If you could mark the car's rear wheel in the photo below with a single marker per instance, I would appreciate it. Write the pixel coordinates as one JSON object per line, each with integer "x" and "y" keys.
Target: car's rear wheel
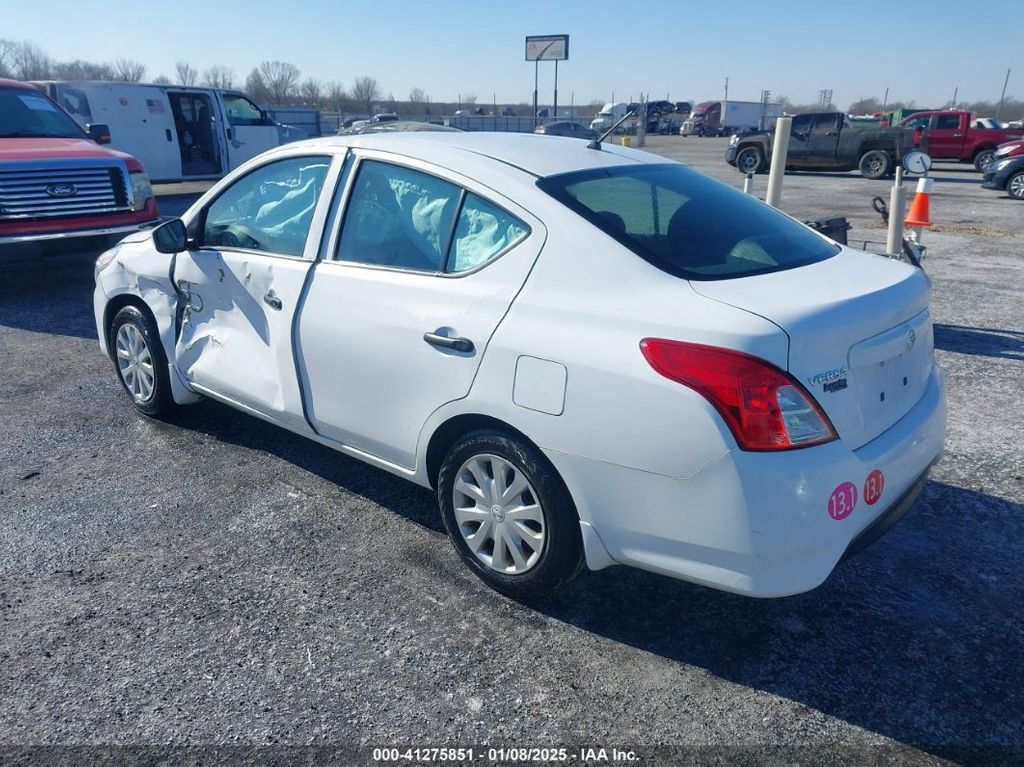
{"x": 1015, "y": 186}
{"x": 875, "y": 164}
{"x": 983, "y": 159}
{"x": 509, "y": 515}
{"x": 749, "y": 160}
{"x": 140, "y": 362}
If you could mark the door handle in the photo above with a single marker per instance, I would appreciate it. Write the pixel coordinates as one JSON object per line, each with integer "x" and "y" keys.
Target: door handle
{"x": 445, "y": 342}
{"x": 167, "y": 133}
{"x": 271, "y": 300}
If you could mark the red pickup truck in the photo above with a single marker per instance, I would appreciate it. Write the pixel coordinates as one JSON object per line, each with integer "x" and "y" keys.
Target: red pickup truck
{"x": 954, "y": 135}
{"x": 60, "y": 192}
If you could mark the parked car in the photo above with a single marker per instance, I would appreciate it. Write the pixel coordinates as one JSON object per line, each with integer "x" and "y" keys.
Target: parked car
{"x": 566, "y": 128}
{"x": 954, "y": 135}
{"x": 1006, "y": 174}
{"x": 179, "y": 133}
{"x": 825, "y": 141}
{"x": 398, "y": 126}
{"x": 451, "y": 308}
{"x": 1009, "y": 149}
{"x": 61, "y": 193}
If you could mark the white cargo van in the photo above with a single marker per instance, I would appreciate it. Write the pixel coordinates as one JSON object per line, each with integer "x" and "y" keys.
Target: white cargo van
{"x": 177, "y": 133}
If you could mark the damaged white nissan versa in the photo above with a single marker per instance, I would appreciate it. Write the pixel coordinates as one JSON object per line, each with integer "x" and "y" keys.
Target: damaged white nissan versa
{"x": 594, "y": 355}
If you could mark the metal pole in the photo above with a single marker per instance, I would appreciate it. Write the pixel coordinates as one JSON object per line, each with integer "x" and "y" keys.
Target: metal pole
{"x": 554, "y": 108}
{"x": 956, "y": 92}
{"x": 780, "y": 150}
{"x": 1002, "y": 96}
{"x": 885, "y": 100}
{"x": 897, "y": 212}
{"x": 536, "y": 75}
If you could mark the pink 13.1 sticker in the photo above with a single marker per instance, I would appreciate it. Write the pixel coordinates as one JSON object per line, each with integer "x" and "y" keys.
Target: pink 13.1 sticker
{"x": 873, "y": 487}
{"x": 842, "y": 501}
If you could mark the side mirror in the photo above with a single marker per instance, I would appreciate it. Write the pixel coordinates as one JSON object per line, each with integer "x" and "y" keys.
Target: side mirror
{"x": 171, "y": 236}
{"x": 98, "y": 132}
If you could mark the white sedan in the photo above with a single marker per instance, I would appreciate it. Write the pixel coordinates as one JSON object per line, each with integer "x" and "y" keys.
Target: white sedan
{"x": 593, "y": 355}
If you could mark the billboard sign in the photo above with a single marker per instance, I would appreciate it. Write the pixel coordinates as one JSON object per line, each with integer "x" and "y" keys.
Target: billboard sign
{"x": 547, "y": 48}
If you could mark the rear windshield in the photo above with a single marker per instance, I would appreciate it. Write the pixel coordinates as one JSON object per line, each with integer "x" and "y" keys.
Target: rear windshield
{"x": 686, "y": 223}
{"x": 29, "y": 114}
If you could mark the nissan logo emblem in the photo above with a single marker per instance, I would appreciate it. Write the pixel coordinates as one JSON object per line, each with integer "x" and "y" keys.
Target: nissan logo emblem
{"x": 62, "y": 190}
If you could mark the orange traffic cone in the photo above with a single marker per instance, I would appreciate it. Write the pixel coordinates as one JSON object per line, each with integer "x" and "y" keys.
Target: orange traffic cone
{"x": 918, "y": 213}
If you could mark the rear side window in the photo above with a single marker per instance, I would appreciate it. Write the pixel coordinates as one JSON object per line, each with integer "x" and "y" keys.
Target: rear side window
{"x": 687, "y": 224}
{"x": 407, "y": 219}
{"x": 948, "y": 122}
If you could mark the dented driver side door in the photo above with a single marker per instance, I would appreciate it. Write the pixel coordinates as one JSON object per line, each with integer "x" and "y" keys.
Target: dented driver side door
{"x": 241, "y": 285}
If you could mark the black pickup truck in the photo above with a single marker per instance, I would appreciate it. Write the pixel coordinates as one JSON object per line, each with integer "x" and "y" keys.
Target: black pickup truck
{"x": 825, "y": 141}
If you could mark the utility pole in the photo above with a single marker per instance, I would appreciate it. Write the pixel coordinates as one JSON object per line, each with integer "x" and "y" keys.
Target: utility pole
{"x": 956, "y": 92}
{"x": 726, "y": 88}
{"x": 885, "y": 101}
{"x": 1002, "y": 96}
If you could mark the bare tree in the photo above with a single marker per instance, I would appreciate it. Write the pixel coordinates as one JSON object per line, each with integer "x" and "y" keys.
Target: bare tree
{"x": 469, "y": 98}
{"x": 336, "y": 96}
{"x": 162, "y": 80}
{"x": 6, "y": 58}
{"x": 187, "y": 75}
{"x": 273, "y": 82}
{"x": 219, "y": 77}
{"x": 129, "y": 71}
{"x": 30, "y": 62}
{"x": 311, "y": 92}
{"x": 365, "y": 90}
{"x": 417, "y": 96}
{"x": 82, "y": 70}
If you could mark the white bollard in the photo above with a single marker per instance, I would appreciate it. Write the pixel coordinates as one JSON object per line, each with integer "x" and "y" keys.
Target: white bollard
{"x": 897, "y": 210}
{"x": 748, "y": 184}
{"x": 780, "y": 150}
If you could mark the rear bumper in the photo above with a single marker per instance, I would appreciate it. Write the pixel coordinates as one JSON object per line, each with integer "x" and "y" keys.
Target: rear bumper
{"x": 758, "y": 524}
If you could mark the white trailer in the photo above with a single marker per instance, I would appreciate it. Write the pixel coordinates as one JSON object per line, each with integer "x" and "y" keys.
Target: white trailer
{"x": 177, "y": 133}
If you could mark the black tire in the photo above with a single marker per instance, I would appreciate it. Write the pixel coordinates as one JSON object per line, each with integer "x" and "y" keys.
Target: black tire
{"x": 1015, "y": 186}
{"x": 159, "y": 401}
{"x": 749, "y": 159}
{"x": 984, "y": 158}
{"x": 875, "y": 164}
{"x": 561, "y": 555}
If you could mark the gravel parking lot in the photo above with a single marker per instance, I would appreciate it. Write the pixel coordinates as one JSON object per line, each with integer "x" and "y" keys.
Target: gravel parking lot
{"x": 216, "y": 580}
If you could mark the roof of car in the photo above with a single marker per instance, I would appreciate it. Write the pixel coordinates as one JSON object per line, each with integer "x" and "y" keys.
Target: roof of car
{"x": 538, "y": 155}
{"x": 15, "y": 84}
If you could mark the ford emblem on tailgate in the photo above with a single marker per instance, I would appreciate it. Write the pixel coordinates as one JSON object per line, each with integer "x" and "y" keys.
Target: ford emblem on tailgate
{"x": 62, "y": 190}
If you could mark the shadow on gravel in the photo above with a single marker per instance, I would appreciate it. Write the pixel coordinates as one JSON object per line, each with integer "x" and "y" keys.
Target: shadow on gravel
{"x": 228, "y": 425}
{"x": 986, "y": 342}
{"x": 918, "y": 638}
{"x": 55, "y": 300}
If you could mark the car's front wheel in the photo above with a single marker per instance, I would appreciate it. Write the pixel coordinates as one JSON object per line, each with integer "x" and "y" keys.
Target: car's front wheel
{"x": 749, "y": 160}
{"x": 1015, "y": 186}
{"x": 875, "y": 164}
{"x": 140, "y": 362}
{"x": 509, "y": 515}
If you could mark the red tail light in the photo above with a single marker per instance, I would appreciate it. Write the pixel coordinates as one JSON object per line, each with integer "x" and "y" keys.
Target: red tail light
{"x": 918, "y": 136}
{"x": 764, "y": 407}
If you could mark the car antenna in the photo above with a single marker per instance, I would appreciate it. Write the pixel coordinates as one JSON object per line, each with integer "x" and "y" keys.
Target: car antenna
{"x": 596, "y": 143}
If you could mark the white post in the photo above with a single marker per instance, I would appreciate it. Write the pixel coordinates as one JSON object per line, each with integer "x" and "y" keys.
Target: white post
{"x": 783, "y": 126}
{"x": 748, "y": 184}
{"x": 897, "y": 211}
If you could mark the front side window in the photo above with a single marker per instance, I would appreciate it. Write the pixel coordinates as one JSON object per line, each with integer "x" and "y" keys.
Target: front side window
{"x": 241, "y": 111}
{"x": 268, "y": 210}
{"x": 687, "y": 224}
{"x": 918, "y": 123}
{"x": 407, "y": 219}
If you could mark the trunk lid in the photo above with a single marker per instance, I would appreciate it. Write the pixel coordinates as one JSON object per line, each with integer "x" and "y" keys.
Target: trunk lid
{"x": 860, "y": 335}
